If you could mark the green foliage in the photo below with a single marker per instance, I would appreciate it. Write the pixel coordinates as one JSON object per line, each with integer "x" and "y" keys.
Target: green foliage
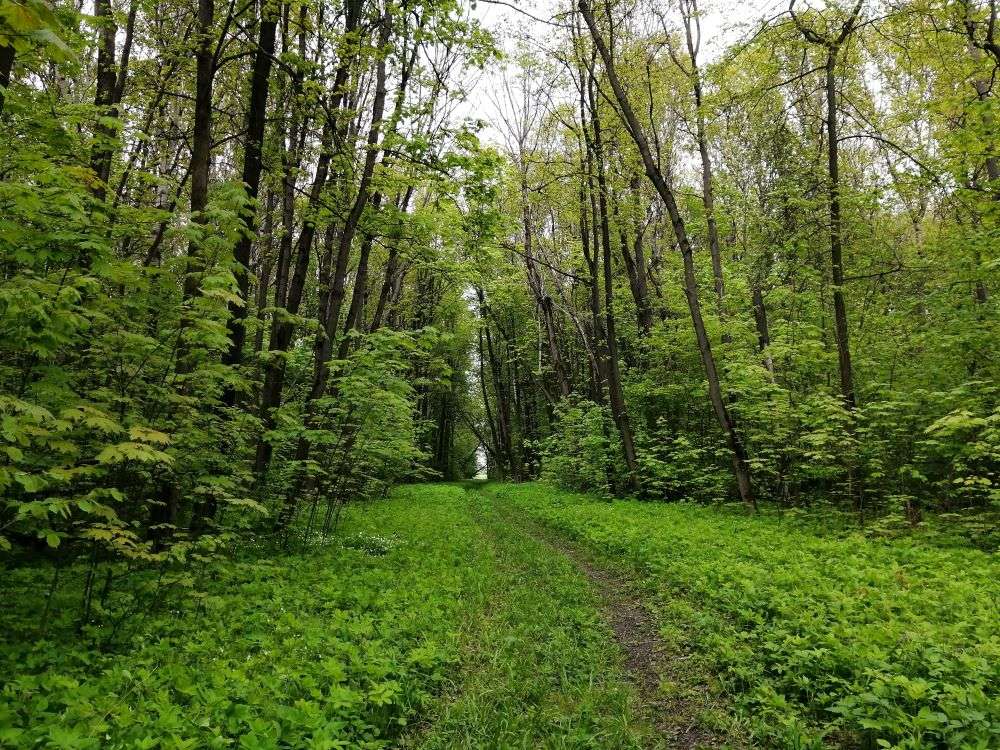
{"x": 357, "y": 644}
{"x": 582, "y": 449}
{"x": 815, "y": 635}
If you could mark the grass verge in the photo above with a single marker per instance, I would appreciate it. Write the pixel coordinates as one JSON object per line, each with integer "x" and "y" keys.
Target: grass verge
{"x": 817, "y": 639}
{"x": 426, "y": 623}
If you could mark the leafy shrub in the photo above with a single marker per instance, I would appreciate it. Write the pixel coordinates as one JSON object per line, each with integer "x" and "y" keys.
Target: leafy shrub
{"x": 582, "y": 448}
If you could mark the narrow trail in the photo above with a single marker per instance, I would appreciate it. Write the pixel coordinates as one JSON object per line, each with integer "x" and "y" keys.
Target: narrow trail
{"x": 671, "y": 697}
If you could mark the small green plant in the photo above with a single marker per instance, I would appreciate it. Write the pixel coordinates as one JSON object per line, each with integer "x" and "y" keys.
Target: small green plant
{"x": 816, "y": 636}
{"x": 373, "y": 544}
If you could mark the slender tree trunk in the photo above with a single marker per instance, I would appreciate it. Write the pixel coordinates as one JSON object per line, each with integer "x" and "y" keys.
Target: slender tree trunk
{"x": 497, "y": 448}
{"x": 635, "y": 264}
{"x": 619, "y": 410}
{"x": 100, "y": 159}
{"x": 740, "y": 459}
{"x": 252, "y": 168}
{"x": 323, "y": 349}
{"x": 201, "y": 150}
{"x": 836, "y": 241}
{"x": 542, "y": 299}
{"x": 591, "y": 246}
{"x": 833, "y": 46}
{"x": 6, "y": 69}
{"x": 763, "y": 336}
{"x": 506, "y": 443}
{"x": 283, "y": 329}
{"x": 200, "y": 170}
{"x": 689, "y": 12}
{"x": 265, "y": 271}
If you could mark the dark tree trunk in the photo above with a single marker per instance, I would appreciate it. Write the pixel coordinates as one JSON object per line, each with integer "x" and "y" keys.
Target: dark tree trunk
{"x": 100, "y": 158}
{"x": 619, "y": 410}
{"x": 252, "y": 168}
{"x": 282, "y": 330}
{"x": 836, "y": 237}
{"x": 265, "y": 271}
{"x": 542, "y": 300}
{"x": 6, "y": 69}
{"x": 689, "y": 10}
{"x": 833, "y": 46}
{"x": 763, "y": 336}
{"x": 324, "y": 347}
{"x": 496, "y": 448}
{"x": 200, "y": 169}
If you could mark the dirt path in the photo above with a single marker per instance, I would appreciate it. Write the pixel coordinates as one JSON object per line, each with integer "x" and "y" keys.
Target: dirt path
{"x": 672, "y": 697}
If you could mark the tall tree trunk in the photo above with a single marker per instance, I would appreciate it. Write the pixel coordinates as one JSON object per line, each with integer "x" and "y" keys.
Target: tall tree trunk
{"x": 542, "y": 300}
{"x": 740, "y": 459}
{"x": 504, "y": 436}
{"x": 591, "y": 245}
{"x": 833, "y": 46}
{"x": 496, "y": 447}
{"x": 635, "y": 263}
{"x": 265, "y": 270}
{"x": 836, "y": 234}
{"x": 252, "y": 168}
{"x": 100, "y": 159}
{"x": 200, "y": 169}
{"x": 6, "y": 69}
{"x": 619, "y": 410}
{"x": 282, "y": 329}
{"x": 689, "y": 12}
{"x": 593, "y": 351}
{"x": 324, "y": 346}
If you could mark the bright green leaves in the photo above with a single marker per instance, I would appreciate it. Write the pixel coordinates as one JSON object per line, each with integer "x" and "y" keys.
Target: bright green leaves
{"x": 131, "y": 451}
{"x": 816, "y": 636}
{"x": 26, "y": 23}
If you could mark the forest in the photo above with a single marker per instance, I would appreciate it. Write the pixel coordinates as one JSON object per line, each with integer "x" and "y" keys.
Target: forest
{"x": 486, "y": 374}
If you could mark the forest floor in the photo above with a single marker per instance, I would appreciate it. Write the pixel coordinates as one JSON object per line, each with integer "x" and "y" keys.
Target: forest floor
{"x": 518, "y": 616}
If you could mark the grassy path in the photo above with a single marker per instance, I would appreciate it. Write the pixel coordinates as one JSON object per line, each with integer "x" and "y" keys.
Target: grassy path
{"x": 515, "y": 617}
{"x": 672, "y": 694}
{"x": 540, "y": 665}
{"x": 430, "y": 621}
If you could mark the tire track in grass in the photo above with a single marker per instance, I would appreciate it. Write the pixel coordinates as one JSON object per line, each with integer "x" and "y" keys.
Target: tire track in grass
{"x": 538, "y": 668}
{"x": 676, "y": 714}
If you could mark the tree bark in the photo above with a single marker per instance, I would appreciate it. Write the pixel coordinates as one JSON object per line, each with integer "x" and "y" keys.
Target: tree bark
{"x": 619, "y": 410}
{"x": 689, "y": 12}
{"x": 7, "y": 56}
{"x": 252, "y": 168}
{"x": 542, "y": 300}
{"x": 100, "y": 159}
{"x": 833, "y": 46}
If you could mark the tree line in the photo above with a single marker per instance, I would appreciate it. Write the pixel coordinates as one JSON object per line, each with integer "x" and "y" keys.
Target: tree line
{"x": 767, "y": 275}
{"x": 229, "y": 239}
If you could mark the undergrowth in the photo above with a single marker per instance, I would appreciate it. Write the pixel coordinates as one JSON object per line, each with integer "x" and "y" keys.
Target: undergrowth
{"x": 818, "y": 638}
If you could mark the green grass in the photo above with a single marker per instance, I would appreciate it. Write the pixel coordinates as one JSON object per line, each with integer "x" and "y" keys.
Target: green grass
{"x": 541, "y": 669}
{"x": 428, "y": 624}
{"x": 440, "y": 619}
{"x": 817, "y": 638}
